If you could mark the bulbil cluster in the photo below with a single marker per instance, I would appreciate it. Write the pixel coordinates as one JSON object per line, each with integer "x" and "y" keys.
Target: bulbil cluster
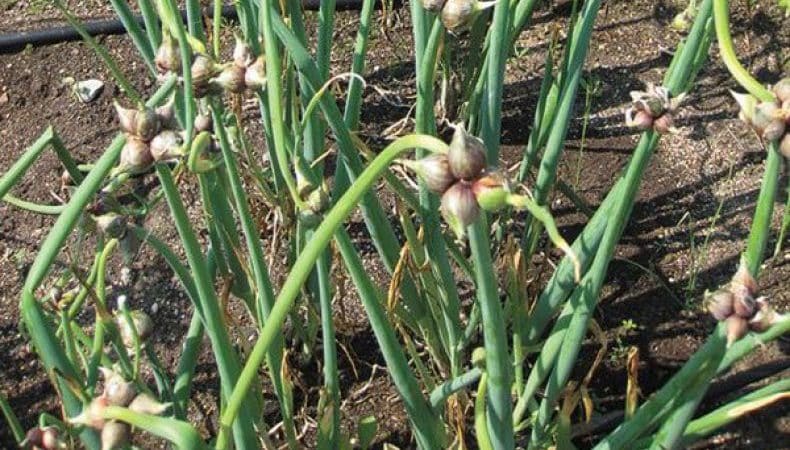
{"x": 461, "y": 178}
{"x": 151, "y": 136}
{"x": 117, "y": 392}
{"x": 737, "y": 305}
{"x": 770, "y": 120}
{"x": 652, "y": 109}
{"x": 456, "y": 15}
{"x": 311, "y": 192}
{"x": 244, "y": 72}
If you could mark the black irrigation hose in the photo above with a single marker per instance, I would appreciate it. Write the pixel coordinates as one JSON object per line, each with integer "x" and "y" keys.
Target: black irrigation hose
{"x": 14, "y": 42}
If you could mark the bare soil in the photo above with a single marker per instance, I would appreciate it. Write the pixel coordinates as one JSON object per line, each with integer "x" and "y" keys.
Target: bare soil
{"x": 674, "y": 247}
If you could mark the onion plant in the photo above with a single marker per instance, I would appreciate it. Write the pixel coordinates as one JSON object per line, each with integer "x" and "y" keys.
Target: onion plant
{"x": 515, "y": 361}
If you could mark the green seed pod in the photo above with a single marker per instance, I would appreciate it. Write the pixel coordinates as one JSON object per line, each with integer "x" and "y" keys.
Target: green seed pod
{"x": 117, "y": 390}
{"x": 681, "y": 22}
{"x": 309, "y": 218}
{"x": 737, "y": 327}
{"x": 143, "y": 326}
{"x": 318, "y": 200}
{"x": 168, "y": 58}
{"x": 166, "y": 146}
{"x": 459, "y": 207}
{"x": 720, "y": 304}
{"x": 479, "y": 357}
{"x": 147, "y": 125}
{"x": 491, "y": 191}
{"x": 467, "y": 154}
{"x": 458, "y": 15}
{"x": 782, "y": 90}
{"x": 232, "y": 78}
{"x": 305, "y": 180}
{"x": 115, "y": 435}
{"x": 434, "y": 170}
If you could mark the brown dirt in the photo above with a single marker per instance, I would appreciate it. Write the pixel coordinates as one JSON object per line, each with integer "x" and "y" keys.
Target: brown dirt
{"x": 712, "y": 161}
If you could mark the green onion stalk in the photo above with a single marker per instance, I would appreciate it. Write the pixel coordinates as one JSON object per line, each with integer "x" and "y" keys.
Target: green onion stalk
{"x": 426, "y": 425}
{"x": 39, "y": 327}
{"x": 569, "y": 329}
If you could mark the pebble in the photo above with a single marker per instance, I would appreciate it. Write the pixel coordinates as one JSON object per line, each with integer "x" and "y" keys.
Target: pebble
{"x": 126, "y": 276}
{"x": 88, "y": 90}
{"x": 154, "y": 308}
{"x": 3, "y": 98}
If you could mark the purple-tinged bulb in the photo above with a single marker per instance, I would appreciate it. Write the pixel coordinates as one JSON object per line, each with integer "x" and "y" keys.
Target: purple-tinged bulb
{"x": 467, "y": 155}
{"x": 664, "y": 124}
{"x": 639, "y": 119}
{"x": 135, "y": 156}
{"x": 737, "y": 327}
{"x": 459, "y": 207}
{"x": 115, "y": 435}
{"x": 720, "y": 304}
{"x": 744, "y": 306}
{"x": 117, "y": 390}
{"x": 434, "y": 170}
{"x": 232, "y": 78}
{"x": 168, "y": 58}
{"x": 166, "y": 145}
{"x": 255, "y": 74}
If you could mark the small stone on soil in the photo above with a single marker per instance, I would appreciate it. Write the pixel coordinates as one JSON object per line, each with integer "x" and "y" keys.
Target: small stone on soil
{"x": 88, "y": 90}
